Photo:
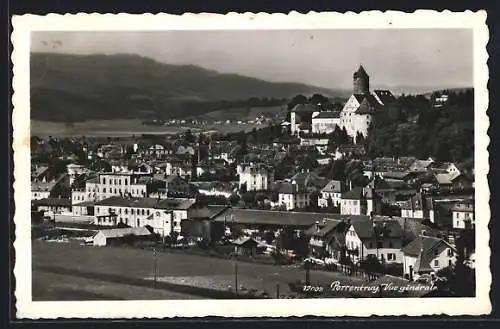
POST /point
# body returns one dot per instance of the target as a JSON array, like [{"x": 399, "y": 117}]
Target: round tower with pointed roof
[{"x": 361, "y": 81}]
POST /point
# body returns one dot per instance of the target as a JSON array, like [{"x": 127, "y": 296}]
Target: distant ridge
[{"x": 79, "y": 87}]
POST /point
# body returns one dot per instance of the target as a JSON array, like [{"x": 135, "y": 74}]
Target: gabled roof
[
  {"x": 385, "y": 229},
  {"x": 167, "y": 204},
  {"x": 245, "y": 241},
  {"x": 323, "y": 228},
  {"x": 273, "y": 218},
  {"x": 120, "y": 232},
  {"x": 52, "y": 202},
  {"x": 385, "y": 96},
  {"x": 335, "y": 186},
  {"x": 327, "y": 115},
  {"x": 358, "y": 193},
  {"x": 424, "y": 243},
  {"x": 289, "y": 188},
  {"x": 359, "y": 97},
  {"x": 368, "y": 105}
]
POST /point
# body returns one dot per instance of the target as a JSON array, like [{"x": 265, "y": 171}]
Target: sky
[{"x": 323, "y": 58}]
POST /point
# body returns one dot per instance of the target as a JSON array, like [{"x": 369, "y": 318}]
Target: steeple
[{"x": 361, "y": 81}]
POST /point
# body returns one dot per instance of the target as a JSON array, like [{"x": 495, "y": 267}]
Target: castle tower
[{"x": 361, "y": 81}]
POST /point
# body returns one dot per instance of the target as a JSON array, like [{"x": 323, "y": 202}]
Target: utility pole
[
  {"x": 277, "y": 291},
  {"x": 155, "y": 254},
  {"x": 236, "y": 274}
]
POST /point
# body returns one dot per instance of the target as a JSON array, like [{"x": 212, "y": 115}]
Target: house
[
  {"x": 331, "y": 194},
  {"x": 216, "y": 188},
  {"x": 245, "y": 246},
  {"x": 172, "y": 186},
  {"x": 73, "y": 171},
  {"x": 359, "y": 201},
  {"x": 463, "y": 214},
  {"x": 52, "y": 206},
  {"x": 380, "y": 239},
  {"x": 119, "y": 235},
  {"x": 293, "y": 195},
  {"x": 163, "y": 215},
  {"x": 325, "y": 122},
  {"x": 349, "y": 151},
  {"x": 52, "y": 188},
  {"x": 121, "y": 184},
  {"x": 40, "y": 173},
  {"x": 301, "y": 118},
  {"x": 324, "y": 236},
  {"x": 419, "y": 206},
  {"x": 427, "y": 255},
  {"x": 255, "y": 177}
]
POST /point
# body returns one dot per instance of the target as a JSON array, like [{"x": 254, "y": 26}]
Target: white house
[
  {"x": 293, "y": 195},
  {"x": 359, "y": 201},
  {"x": 418, "y": 207},
  {"x": 163, "y": 215},
  {"x": 325, "y": 122},
  {"x": 105, "y": 237},
  {"x": 427, "y": 255},
  {"x": 256, "y": 177},
  {"x": 463, "y": 214},
  {"x": 332, "y": 191},
  {"x": 381, "y": 240}
]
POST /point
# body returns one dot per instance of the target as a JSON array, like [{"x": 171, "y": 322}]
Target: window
[
  {"x": 458, "y": 223},
  {"x": 104, "y": 180},
  {"x": 450, "y": 253},
  {"x": 436, "y": 262},
  {"x": 120, "y": 210},
  {"x": 450, "y": 262},
  {"x": 119, "y": 182},
  {"x": 391, "y": 256},
  {"x": 132, "y": 211},
  {"x": 126, "y": 211},
  {"x": 143, "y": 212},
  {"x": 435, "y": 252}
]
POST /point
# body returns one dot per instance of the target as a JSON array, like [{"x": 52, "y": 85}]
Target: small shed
[
  {"x": 117, "y": 235},
  {"x": 245, "y": 246}
]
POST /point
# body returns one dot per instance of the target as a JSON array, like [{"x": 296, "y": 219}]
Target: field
[
  {"x": 72, "y": 271},
  {"x": 243, "y": 114},
  {"x": 122, "y": 128}
]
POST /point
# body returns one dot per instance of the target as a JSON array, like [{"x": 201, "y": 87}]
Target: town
[{"x": 377, "y": 189}]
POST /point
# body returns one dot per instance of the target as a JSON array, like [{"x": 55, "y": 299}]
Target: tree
[
  {"x": 298, "y": 99},
  {"x": 189, "y": 137}
]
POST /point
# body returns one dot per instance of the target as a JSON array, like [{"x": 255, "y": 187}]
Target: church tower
[{"x": 361, "y": 81}]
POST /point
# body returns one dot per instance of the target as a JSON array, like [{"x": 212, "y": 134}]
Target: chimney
[{"x": 317, "y": 226}]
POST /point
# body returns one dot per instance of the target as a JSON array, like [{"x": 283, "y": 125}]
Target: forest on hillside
[{"x": 413, "y": 126}]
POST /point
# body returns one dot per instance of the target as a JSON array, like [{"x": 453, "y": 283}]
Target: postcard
[{"x": 251, "y": 165}]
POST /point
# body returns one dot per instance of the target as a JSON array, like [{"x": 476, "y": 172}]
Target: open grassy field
[
  {"x": 127, "y": 266},
  {"x": 122, "y": 128}
]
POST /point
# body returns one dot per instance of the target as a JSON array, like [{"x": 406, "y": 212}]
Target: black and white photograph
[{"x": 270, "y": 164}]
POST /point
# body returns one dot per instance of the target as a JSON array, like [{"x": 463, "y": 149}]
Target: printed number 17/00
[{"x": 309, "y": 288}]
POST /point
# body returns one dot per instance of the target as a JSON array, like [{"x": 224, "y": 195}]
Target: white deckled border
[{"x": 26, "y": 308}]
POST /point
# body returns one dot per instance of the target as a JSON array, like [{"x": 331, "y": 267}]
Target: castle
[
  {"x": 356, "y": 116},
  {"x": 360, "y": 109}
]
